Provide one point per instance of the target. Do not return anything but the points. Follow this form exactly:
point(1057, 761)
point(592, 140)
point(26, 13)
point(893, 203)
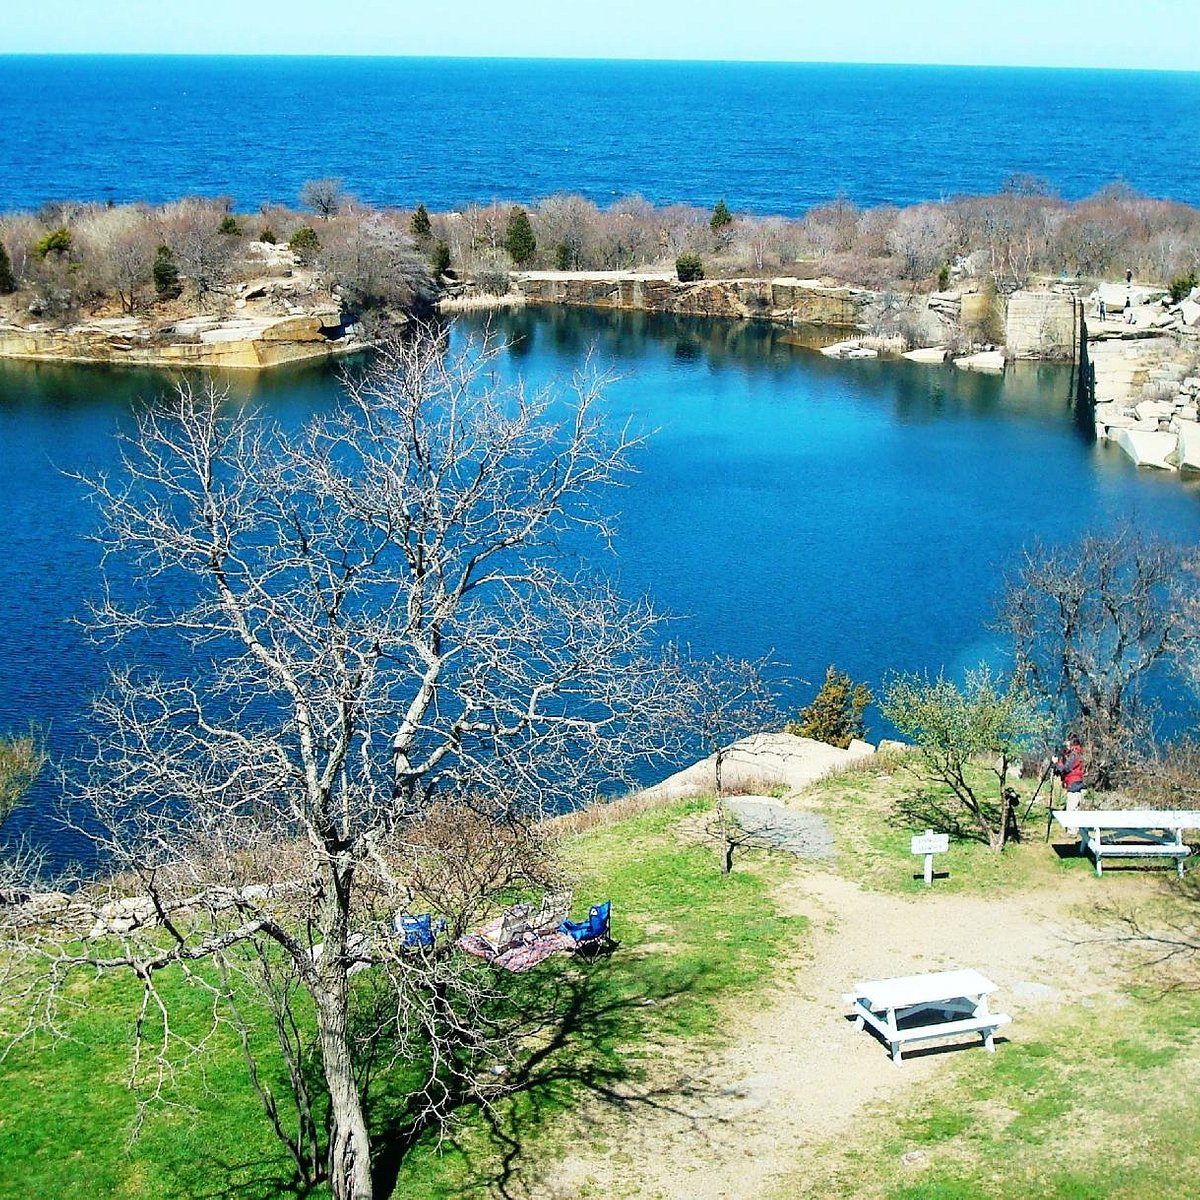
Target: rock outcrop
point(240, 342)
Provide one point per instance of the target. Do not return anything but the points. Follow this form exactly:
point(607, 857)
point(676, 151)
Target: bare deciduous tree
point(374, 265)
point(398, 662)
point(118, 248)
point(325, 197)
point(723, 700)
point(1089, 624)
point(204, 254)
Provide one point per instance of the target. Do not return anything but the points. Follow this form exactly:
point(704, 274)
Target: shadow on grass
point(581, 1020)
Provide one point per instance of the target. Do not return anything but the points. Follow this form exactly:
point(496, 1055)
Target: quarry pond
point(857, 512)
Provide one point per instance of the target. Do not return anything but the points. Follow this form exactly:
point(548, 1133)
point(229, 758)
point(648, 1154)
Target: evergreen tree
point(7, 282)
point(836, 713)
point(721, 216)
point(166, 274)
point(418, 224)
point(689, 268)
point(519, 240)
point(441, 259)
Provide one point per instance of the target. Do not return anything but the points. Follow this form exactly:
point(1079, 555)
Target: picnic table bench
point(1133, 833)
point(920, 1008)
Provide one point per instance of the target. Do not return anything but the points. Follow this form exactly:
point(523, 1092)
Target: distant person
point(1068, 766)
point(1129, 318)
point(1129, 279)
point(1103, 310)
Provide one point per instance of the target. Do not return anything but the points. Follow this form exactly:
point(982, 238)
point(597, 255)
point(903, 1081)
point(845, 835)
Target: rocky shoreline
point(277, 316)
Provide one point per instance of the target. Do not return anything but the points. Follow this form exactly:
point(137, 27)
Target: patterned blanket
point(520, 956)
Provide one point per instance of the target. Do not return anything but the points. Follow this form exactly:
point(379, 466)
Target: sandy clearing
point(797, 1070)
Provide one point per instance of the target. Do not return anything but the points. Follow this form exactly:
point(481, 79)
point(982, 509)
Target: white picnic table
point(919, 1008)
point(1130, 833)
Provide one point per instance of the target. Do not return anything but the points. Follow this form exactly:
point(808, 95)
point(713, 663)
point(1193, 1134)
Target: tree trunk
point(349, 1146)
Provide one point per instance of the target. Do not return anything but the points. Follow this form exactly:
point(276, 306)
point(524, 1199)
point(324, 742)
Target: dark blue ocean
point(770, 138)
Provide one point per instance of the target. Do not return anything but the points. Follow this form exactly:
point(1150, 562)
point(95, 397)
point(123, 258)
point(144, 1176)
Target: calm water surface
point(852, 512)
point(769, 137)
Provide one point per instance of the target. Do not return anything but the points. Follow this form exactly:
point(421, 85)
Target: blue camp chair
point(594, 933)
point(418, 933)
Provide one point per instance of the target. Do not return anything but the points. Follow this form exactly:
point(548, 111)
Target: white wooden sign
point(929, 844)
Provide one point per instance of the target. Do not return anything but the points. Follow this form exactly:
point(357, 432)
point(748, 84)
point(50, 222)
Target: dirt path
point(797, 1070)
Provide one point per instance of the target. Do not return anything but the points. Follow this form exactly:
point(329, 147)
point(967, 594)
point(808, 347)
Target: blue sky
point(1096, 33)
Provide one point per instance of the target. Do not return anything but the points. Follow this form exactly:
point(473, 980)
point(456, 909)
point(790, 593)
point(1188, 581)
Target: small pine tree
point(8, 283)
point(267, 234)
point(58, 242)
point(689, 268)
point(419, 225)
point(836, 714)
point(166, 274)
point(562, 257)
point(229, 226)
point(518, 239)
point(721, 216)
point(305, 243)
point(440, 260)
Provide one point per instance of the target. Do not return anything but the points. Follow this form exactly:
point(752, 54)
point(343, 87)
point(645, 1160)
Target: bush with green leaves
point(229, 226)
point(56, 242)
point(562, 257)
point(836, 714)
point(165, 273)
point(305, 243)
point(440, 259)
point(721, 217)
point(986, 723)
point(8, 282)
point(1181, 287)
point(689, 268)
point(267, 234)
point(518, 238)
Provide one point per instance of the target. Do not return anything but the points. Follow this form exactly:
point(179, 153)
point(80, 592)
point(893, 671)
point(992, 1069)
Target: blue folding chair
point(593, 934)
point(418, 932)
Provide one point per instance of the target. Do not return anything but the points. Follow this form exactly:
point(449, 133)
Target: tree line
point(72, 258)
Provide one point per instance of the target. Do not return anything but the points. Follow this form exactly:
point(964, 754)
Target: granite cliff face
point(796, 301)
point(241, 342)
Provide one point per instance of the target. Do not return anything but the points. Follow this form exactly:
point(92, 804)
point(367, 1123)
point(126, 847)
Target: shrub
point(689, 268)
point(1181, 287)
point(440, 259)
point(836, 713)
point(7, 281)
point(229, 226)
point(721, 216)
point(267, 234)
point(166, 274)
point(562, 257)
point(419, 225)
point(518, 238)
point(58, 241)
point(943, 279)
point(305, 243)
point(493, 281)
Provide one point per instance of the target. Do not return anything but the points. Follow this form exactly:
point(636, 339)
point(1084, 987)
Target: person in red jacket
point(1068, 766)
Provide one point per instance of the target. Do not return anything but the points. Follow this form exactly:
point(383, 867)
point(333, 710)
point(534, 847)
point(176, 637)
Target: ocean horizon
point(769, 137)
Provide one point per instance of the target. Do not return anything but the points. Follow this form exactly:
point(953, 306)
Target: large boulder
point(934, 355)
point(985, 360)
point(1149, 448)
point(1189, 444)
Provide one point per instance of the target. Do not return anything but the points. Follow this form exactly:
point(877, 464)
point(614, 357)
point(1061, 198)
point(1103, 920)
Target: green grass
point(690, 942)
point(1089, 1102)
point(871, 811)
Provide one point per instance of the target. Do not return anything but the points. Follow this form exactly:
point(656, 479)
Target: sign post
point(929, 844)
